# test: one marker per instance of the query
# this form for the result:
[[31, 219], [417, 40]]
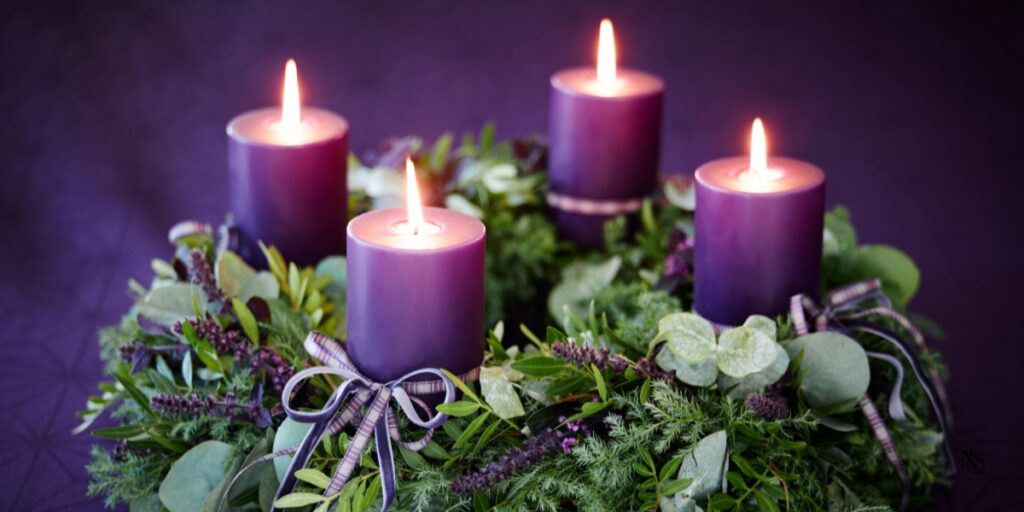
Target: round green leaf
[[700, 374], [289, 434], [688, 336], [900, 276], [741, 387], [194, 475], [704, 467], [334, 266], [763, 324], [833, 369], [743, 351]]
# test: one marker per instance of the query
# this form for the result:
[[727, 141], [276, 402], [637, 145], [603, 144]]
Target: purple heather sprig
[[533, 450], [768, 405], [201, 273], [583, 357], [229, 407]]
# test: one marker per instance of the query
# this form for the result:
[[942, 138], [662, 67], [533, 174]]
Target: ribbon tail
[[885, 439], [938, 408], [896, 410], [301, 458], [366, 428], [385, 460]]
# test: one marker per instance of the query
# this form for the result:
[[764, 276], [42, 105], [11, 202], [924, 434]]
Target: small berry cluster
[[193, 405]]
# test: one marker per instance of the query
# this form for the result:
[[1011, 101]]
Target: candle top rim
[[722, 175], [372, 228], [578, 81], [252, 127]]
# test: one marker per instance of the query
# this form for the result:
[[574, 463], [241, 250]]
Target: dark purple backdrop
[[112, 121]]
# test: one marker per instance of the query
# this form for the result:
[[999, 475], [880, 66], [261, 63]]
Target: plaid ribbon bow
[[345, 407], [846, 309]]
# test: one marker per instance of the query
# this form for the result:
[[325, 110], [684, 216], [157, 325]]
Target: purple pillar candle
[[605, 140], [287, 178], [759, 224], [415, 291]]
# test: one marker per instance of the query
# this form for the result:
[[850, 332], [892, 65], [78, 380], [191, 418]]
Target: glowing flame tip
[[606, 58], [290, 103], [758, 148], [414, 206]]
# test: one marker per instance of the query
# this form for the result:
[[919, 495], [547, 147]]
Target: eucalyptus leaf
[[743, 351], [194, 475], [833, 368], [170, 304], [755, 382], [499, 393], [335, 267], [763, 324], [704, 466], [237, 279], [690, 337], [289, 434], [700, 374], [839, 242]]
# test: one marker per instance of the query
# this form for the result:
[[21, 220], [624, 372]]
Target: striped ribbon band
[[594, 206], [365, 403], [867, 406]]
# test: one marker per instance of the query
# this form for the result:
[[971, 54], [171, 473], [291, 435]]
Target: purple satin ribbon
[[845, 310], [345, 406]]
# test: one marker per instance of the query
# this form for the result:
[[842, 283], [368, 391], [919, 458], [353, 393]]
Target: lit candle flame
[[606, 71], [290, 105], [758, 150], [414, 206]]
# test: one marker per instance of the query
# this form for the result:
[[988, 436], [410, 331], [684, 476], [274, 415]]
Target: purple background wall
[[113, 128]]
